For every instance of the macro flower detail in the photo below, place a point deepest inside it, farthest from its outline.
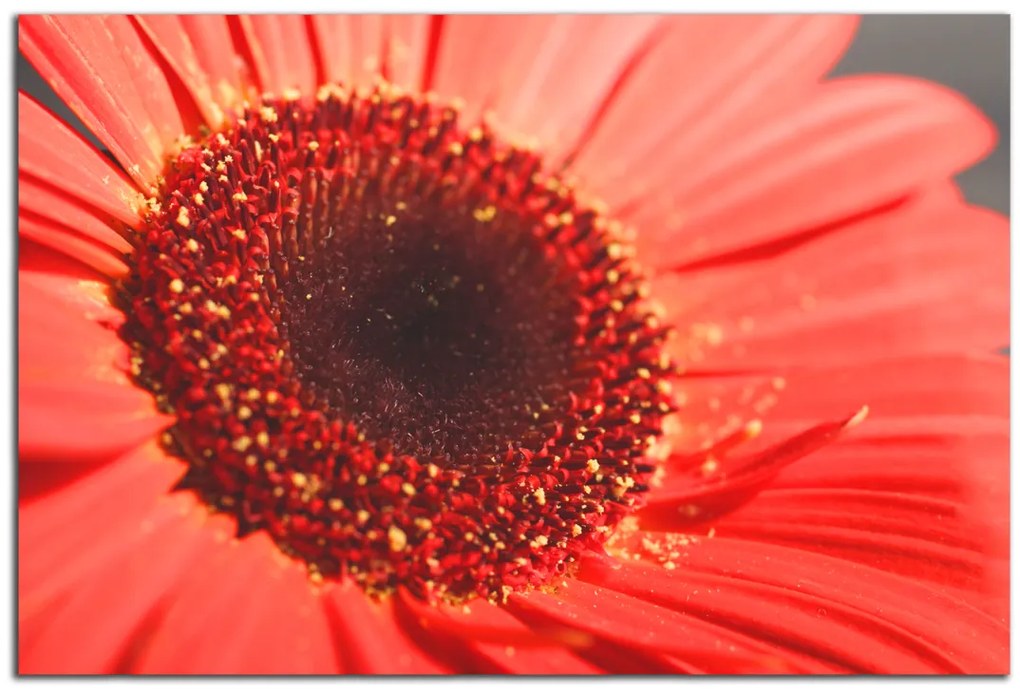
(538, 344)
(396, 348)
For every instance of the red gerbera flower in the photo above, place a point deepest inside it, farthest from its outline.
(342, 367)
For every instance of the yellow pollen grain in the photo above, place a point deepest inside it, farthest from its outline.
(336, 504)
(262, 439)
(313, 145)
(242, 443)
(539, 496)
(176, 286)
(272, 397)
(593, 465)
(485, 214)
(203, 186)
(408, 489)
(397, 538)
(456, 148)
(540, 541)
(391, 220)
(362, 516)
(299, 480)
(576, 530)
(268, 114)
(182, 217)
(634, 418)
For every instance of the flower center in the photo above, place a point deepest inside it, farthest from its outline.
(398, 347)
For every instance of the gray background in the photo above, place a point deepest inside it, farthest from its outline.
(967, 52)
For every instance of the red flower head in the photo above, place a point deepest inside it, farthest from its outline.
(533, 344)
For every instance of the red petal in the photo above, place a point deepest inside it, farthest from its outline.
(738, 480)
(72, 352)
(851, 145)
(167, 33)
(282, 52)
(78, 218)
(833, 610)
(230, 76)
(509, 63)
(407, 39)
(99, 66)
(77, 247)
(66, 535)
(931, 276)
(369, 638)
(107, 605)
(707, 79)
(617, 622)
(52, 152)
(919, 488)
(486, 638)
(248, 609)
(72, 375)
(352, 47)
